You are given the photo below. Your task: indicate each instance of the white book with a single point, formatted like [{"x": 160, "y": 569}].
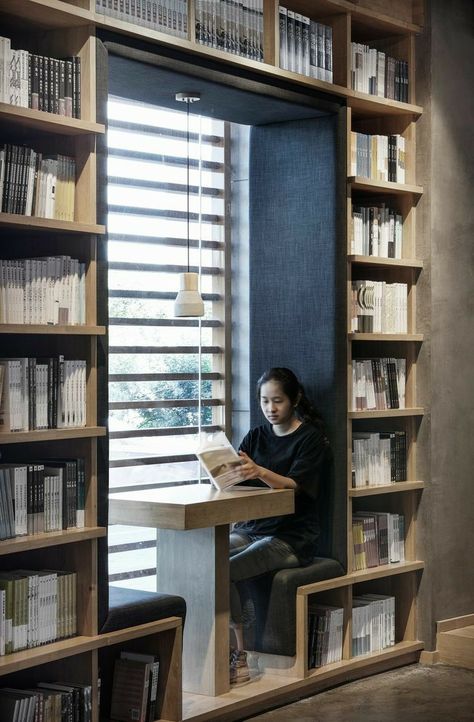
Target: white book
[{"x": 283, "y": 15}]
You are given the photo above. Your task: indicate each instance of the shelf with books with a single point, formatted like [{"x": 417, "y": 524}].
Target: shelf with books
[
  {"x": 385, "y": 262},
  {"x": 49, "y": 13},
  {"x": 386, "y": 413},
  {"x": 399, "y": 337},
  {"x": 12, "y": 328},
  {"x": 395, "y": 488},
  {"x": 371, "y": 186},
  {"x": 54, "y": 538},
  {"x": 13, "y": 220},
  {"x": 22, "y": 437},
  {"x": 47, "y": 122}
]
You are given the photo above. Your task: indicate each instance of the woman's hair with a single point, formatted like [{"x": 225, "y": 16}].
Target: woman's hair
[{"x": 292, "y": 388}]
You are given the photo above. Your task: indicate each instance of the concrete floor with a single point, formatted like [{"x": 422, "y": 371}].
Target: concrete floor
[{"x": 415, "y": 693}]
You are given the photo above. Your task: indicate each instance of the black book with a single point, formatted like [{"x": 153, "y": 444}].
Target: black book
[
  {"x": 77, "y": 86},
  {"x": 62, "y": 87},
  {"x": 68, "y": 87},
  {"x": 41, "y": 98}
]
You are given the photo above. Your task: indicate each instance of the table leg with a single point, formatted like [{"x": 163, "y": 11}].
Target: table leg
[{"x": 195, "y": 564}]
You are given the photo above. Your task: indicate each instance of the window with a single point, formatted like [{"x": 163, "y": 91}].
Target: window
[{"x": 167, "y": 378}]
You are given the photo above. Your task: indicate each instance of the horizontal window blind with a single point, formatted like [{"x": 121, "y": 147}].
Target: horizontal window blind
[{"x": 166, "y": 375}]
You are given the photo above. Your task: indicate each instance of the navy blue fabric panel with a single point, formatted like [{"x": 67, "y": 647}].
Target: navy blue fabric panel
[{"x": 293, "y": 256}]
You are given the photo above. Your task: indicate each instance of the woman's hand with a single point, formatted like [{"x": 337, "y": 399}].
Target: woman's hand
[{"x": 249, "y": 469}]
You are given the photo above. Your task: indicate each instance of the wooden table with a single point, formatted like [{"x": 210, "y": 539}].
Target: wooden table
[{"x": 193, "y": 561}]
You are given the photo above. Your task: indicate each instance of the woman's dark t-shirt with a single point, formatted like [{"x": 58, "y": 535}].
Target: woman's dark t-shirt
[{"x": 300, "y": 456}]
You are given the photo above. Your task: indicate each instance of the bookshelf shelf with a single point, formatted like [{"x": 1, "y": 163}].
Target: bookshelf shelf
[
  {"x": 48, "y": 122},
  {"x": 22, "y": 437},
  {"x": 15, "y": 328},
  {"x": 364, "y": 106},
  {"x": 370, "y": 186},
  {"x": 386, "y": 413},
  {"x": 361, "y": 660},
  {"x": 56, "y": 538},
  {"x": 385, "y": 262},
  {"x": 50, "y": 13},
  {"x": 364, "y": 575},
  {"x": 12, "y": 220},
  {"x": 395, "y": 488},
  {"x": 399, "y": 337}
]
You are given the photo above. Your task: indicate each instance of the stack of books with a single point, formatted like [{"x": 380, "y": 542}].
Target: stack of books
[
  {"x": 42, "y": 393},
  {"x": 378, "y": 384},
  {"x": 379, "y": 307},
  {"x": 36, "y": 608},
  {"x": 135, "y": 686},
  {"x": 49, "y": 701},
  {"x": 305, "y": 45},
  {"x": 325, "y": 632},
  {"x": 378, "y": 157},
  {"x": 376, "y": 231},
  {"x": 378, "y": 539},
  {"x": 232, "y": 26},
  {"x": 45, "y": 291},
  {"x": 378, "y": 458},
  {"x": 35, "y": 184},
  {"x": 166, "y": 16},
  {"x": 43, "y": 496},
  {"x": 373, "y": 623},
  {"x": 40, "y": 82},
  {"x": 376, "y": 73}
]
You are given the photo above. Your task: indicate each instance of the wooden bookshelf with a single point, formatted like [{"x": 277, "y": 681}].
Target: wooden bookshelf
[{"x": 69, "y": 27}]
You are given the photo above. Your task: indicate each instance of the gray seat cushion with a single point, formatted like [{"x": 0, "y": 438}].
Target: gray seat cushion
[
  {"x": 274, "y": 598},
  {"x": 129, "y": 607}
]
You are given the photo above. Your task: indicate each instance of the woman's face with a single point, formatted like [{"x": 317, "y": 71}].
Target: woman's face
[{"x": 275, "y": 404}]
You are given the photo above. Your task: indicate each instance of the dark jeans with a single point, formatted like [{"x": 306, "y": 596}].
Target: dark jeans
[{"x": 250, "y": 557}]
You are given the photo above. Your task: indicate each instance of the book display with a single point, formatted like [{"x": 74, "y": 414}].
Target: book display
[
  {"x": 50, "y": 644},
  {"x": 48, "y": 318}
]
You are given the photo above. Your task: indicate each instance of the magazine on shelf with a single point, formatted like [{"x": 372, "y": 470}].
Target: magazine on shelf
[{"x": 220, "y": 460}]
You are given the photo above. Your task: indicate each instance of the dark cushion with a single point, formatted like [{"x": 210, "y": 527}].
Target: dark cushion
[
  {"x": 129, "y": 607},
  {"x": 274, "y": 600}
]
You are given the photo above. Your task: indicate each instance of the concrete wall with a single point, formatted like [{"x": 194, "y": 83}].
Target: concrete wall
[{"x": 445, "y": 224}]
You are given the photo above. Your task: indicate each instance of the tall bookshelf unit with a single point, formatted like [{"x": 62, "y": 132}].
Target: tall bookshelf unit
[
  {"x": 67, "y": 27},
  {"x": 59, "y": 29}
]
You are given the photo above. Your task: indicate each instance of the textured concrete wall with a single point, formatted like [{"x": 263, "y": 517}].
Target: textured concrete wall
[{"x": 446, "y": 312}]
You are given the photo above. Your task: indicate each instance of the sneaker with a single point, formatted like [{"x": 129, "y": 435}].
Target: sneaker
[{"x": 239, "y": 670}]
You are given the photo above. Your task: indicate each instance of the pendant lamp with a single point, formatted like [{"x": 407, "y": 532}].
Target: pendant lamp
[{"x": 188, "y": 301}]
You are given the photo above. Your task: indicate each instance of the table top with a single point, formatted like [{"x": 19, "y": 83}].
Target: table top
[{"x": 196, "y": 506}]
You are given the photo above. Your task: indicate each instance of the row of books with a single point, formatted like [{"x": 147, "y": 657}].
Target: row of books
[
  {"x": 48, "y": 702},
  {"x": 36, "y": 608},
  {"x": 376, "y": 231},
  {"x": 378, "y": 458},
  {"x": 34, "y": 184},
  {"x": 47, "y": 291},
  {"x": 325, "y": 634},
  {"x": 376, "y": 73},
  {"x": 134, "y": 687},
  {"x": 43, "y": 496},
  {"x": 378, "y": 539},
  {"x": 373, "y": 623},
  {"x": 378, "y": 383},
  {"x": 379, "y": 307},
  {"x": 40, "y": 82},
  {"x": 166, "y": 16},
  {"x": 235, "y": 26},
  {"x": 305, "y": 45},
  {"x": 42, "y": 393},
  {"x": 378, "y": 157}
]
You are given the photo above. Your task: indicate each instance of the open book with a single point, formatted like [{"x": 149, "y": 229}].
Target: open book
[{"x": 220, "y": 460}]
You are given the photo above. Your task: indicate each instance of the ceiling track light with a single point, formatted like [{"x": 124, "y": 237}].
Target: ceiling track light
[{"x": 188, "y": 302}]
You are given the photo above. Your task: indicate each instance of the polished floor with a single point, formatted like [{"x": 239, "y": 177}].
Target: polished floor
[{"x": 415, "y": 693}]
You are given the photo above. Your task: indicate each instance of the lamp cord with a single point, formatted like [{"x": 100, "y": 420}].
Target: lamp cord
[{"x": 187, "y": 173}]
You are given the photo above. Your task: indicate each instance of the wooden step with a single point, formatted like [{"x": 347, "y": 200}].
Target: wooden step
[{"x": 456, "y": 647}]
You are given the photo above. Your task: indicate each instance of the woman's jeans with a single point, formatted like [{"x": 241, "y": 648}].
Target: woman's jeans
[{"x": 250, "y": 557}]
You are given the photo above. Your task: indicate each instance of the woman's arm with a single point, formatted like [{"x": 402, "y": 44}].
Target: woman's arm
[{"x": 250, "y": 470}]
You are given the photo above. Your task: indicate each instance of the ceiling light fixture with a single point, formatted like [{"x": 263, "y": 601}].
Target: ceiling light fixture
[{"x": 188, "y": 301}]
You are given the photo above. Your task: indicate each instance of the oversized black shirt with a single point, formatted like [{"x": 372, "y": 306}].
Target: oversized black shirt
[{"x": 300, "y": 456}]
